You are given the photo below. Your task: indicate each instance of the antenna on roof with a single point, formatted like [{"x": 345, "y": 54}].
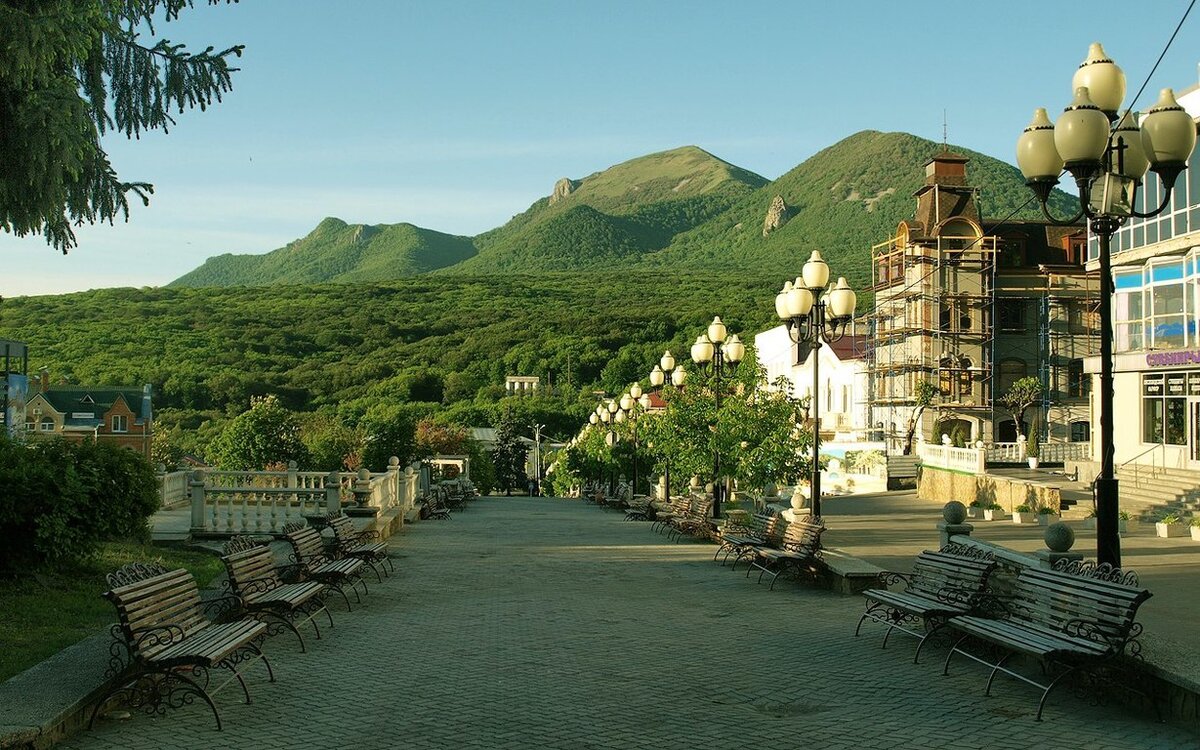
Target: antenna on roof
[{"x": 945, "y": 143}]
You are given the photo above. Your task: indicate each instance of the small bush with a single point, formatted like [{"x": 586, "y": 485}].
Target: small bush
[
  {"x": 1024, "y": 508},
  {"x": 1046, "y": 510}
]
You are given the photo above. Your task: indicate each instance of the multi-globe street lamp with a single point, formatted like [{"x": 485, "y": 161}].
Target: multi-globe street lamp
[
  {"x": 809, "y": 319},
  {"x": 1107, "y": 155},
  {"x": 633, "y": 403},
  {"x": 715, "y": 350}
]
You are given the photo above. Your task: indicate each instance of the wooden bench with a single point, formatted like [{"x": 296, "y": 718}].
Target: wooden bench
[
  {"x": 694, "y": 521},
  {"x": 351, "y": 542},
  {"x": 765, "y": 529},
  {"x": 678, "y": 505},
  {"x": 313, "y": 564},
  {"x": 434, "y": 505},
  {"x": 941, "y": 585},
  {"x": 798, "y": 553},
  {"x": 165, "y": 648},
  {"x": 256, "y": 582},
  {"x": 1076, "y": 617}
]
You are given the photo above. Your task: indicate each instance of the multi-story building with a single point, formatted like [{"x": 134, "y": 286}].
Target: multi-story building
[
  {"x": 842, "y": 389},
  {"x": 971, "y": 305},
  {"x": 1156, "y": 311},
  {"x": 122, "y": 416}
]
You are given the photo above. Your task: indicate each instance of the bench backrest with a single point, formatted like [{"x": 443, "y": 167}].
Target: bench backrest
[
  {"x": 246, "y": 560},
  {"x": 804, "y": 533},
  {"x": 343, "y": 529},
  {"x": 1056, "y": 599},
  {"x": 305, "y": 540},
  {"x": 936, "y": 571},
  {"x": 149, "y": 596}
]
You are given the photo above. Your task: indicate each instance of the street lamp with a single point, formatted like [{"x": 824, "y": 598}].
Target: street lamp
[
  {"x": 1108, "y": 165},
  {"x": 716, "y": 349},
  {"x": 809, "y": 318},
  {"x": 630, "y": 401},
  {"x": 665, "y": 373}
]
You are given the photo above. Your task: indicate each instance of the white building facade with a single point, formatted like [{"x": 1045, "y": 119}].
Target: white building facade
[
  {"x": 842, "y": 390},
  {"x": 1156, "y": 321}
]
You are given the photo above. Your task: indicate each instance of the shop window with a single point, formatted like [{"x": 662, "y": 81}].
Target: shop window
[{"x": 1081, "y": 432}]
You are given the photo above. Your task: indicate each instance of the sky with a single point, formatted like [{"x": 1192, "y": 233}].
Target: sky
[{"x": 457, "y": 115}]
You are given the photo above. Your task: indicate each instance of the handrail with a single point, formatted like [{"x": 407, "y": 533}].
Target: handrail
[{"x": 1137, "y": 466}]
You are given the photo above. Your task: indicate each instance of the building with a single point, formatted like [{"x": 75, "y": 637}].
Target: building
[
  {"x": 1156, "y": 336},
  {"x": 522, "y": 385},
  {"x": 122, "y": 416},
  {"x": 14, "y": 384},
  {"x": 842, "y": 391},
  {"x": 972, "y": 305}
]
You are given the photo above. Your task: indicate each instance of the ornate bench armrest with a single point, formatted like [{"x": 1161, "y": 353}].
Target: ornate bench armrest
[
  {"x": 159, "y": 635},
  {"x": 258, "y": 585},
  {"x": 1116, "y": 643},
  {"x": 894, "y": 578},
  {"x": 222, "y": 608},
  {"x": 961, "y": 597}
]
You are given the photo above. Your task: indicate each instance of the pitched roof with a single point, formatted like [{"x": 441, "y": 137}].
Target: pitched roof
[
  {"x": 851, "y": 346},
  {"x": 71, "y": 400}
]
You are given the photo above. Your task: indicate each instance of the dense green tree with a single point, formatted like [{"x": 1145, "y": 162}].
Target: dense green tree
[
  {"x": 1021, "y": 395},
  {"x": 390, "y": 430},
  {"x": 72, "y": 70},
  {"x": 508, "y": 457},
  {"x": 332, "y": 445},
  {"x": 266, "y": 434}
]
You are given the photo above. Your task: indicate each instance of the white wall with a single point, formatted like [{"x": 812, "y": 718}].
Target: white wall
[{"x": 843, "y": 387}]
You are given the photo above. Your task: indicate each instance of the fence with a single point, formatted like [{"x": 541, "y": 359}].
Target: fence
[
  {"x": 225, "y": 503},
  {"x": 173, "y": 488},
  {"x": 1013, "y": 453},
  {"x": 966, "y": 460}
]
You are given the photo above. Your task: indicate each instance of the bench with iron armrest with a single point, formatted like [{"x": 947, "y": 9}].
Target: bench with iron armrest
[
  {"x": 695, "y": 521},
  {"x": 364, "y": 545},
  {"x": 434, "y": 505},
  {"x": 798, "y": 553},
  {"x": 256, "y": 582},
  {"x": 641, "y": 509},
  {"x": 678, "y": 505},
  {"x": 941, "y": 585},
  {"x": 1077, "y": 617},
  {"x": 313, "y": 564},
  {"x": 453, "y": 497},
  {"x": 738, "y": 540},
  {"x": 165, "y": 648}
]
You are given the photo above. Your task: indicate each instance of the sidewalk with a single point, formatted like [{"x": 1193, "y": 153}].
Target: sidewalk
[{"x": 530, "y": 622}]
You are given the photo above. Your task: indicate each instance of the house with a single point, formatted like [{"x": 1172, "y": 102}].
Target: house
[
  {"x": 842, "y": 391},
  {"x": 121, "y": 416}
]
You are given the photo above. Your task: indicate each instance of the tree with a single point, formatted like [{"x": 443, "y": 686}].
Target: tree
[
  {"x": 70, "y": 71},
  {"x": 1020, "y": 396},
  {"x": 266, "y": 434},
  {"x": 923, "y": 396},
  {"x": 508, "y": 457}
]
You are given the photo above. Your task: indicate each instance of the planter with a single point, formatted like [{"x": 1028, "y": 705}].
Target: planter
[
  {"x": 1090, "y": 523},
  {"x": 1127, "y": 526},
  {"x": 1045, "y": 519},
  {"x": 993, "y": 515},
  {"x": 1169, "y": 530},
  {"x": 1033, "y": 462},
  {"x": 974, "y": 511},
  {"x": 1196, "y": 533},
  {"x": 1019, "y": 517}
]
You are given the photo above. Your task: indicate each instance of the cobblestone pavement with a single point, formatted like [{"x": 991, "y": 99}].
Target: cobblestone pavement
[{"x": 532, "y": 623}]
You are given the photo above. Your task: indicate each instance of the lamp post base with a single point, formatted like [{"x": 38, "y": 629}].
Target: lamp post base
[{"x": 1108, "y": 540}]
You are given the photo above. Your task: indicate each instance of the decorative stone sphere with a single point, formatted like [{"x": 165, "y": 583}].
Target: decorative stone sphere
[
  {"x": 408, "y": 471},
  {"x": 292, "y": 465},
  {"x": 954, "y": 512},
  {"x": 945, "y": 439},
  {"x": 695, "y": 483},
  {"x": 770, "y": 490},
  {"x": 364, "y": 473},
  {"x": 1059, "y": 537},
  {"x": 393, "y": 461},
  {"x": 799, "y": 498}
]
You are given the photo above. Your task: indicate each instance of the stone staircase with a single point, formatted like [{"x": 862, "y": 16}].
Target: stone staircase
[{"x": 1149, "y": 493}]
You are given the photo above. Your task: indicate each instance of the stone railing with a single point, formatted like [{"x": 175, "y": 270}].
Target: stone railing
[
  {"x": 966, "y": 460},
  {"x": 1014, "y": 453},
  {"x": 173, "y": 488}
]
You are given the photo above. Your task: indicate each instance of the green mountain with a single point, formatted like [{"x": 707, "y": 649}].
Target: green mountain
[
  {"x": 338, "y": 252},
  {"x": 842, "y": 201},
  {"x": 615, "y": 215}
]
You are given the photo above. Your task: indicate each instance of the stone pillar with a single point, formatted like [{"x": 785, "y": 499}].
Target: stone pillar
[
  {"x": 362, "y": 495},
  {"x": 196, "y": 490},
  {"x": 954, "y": 514},
  {"x": 1059, "y": 538},
  {"x": 333, "y": 499}
]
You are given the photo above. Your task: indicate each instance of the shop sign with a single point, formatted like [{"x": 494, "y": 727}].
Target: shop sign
[
  {"x": 1177, "y": 384},
  {"x": 1152, "y": 385},
  {"x": 1194, "y": 384},
  {"x": 1173, "y": 359}
]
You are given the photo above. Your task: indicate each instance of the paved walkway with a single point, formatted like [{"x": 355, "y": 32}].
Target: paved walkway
[{"x": 540, "y": 623}]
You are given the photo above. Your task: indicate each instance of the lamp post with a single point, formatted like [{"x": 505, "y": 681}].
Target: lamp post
[
  {"x": 809, "y": 318},
  {"x": 716, "y": 350},
  {"x": 1108, "y": 164},
  {"x": 667, "y": 373},
  {"x": 633, "y": 400}
]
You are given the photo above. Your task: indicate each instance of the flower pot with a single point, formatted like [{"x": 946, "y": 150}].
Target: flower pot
[
  {"x": 1127, "y": 526},
  {"x": 1090, "y": 523},
  {"x": 974, "y": 511},
  {"x": 1196, "y": 533},
  {"x": 1169, "y": 530},
  {"x": 1045, "y": 519},
  {"x": 1033, "y": 462},
  {"x": 990, "y": 514},
  {"x": 1019, "y": 517}
]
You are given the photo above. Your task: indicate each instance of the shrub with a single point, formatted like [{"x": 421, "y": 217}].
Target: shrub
[
  {"x": 1170, "y": 519},
  {"x": 61, "y": 499},
  {"x": 1024, "y": 508},
  {"x": 1046, "y": 510}
]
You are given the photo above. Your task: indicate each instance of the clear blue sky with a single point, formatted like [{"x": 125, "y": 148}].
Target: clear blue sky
[{"x": 457, "y": 115}]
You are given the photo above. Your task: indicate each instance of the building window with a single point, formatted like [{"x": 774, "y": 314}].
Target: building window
[
  {"x": 30, "y": 425},
  {"x": 120, "y": 423},
  {"x": 1129, "y": 307},
  {"x": 1164, "y": 408},
  {"x": 47, "y": 424},
  {"x": 964, "y": 378},
  {"x": 1077, "y": 381},
  {"x": 946, "y": 377},
  {"x": 1010, "y": 314},
  {"x": 1081, "y": 432},
  {"x": 1011, "y": 370}
]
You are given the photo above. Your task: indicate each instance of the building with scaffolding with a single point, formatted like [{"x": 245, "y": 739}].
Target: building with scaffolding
[{"x": 970, "y": 306}]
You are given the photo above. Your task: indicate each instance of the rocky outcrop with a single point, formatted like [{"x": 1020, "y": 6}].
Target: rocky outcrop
[
  {"x": 777, "y": 215},
  {"x": 562, "y": 189}
]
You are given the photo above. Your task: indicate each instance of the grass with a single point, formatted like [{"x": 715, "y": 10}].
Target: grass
[{"x": 43, "y": 613}]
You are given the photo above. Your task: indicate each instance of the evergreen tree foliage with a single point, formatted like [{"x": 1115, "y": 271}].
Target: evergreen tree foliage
[
  {"x": 508, "y": 457},
  {"x": 72, "y": 70}
]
